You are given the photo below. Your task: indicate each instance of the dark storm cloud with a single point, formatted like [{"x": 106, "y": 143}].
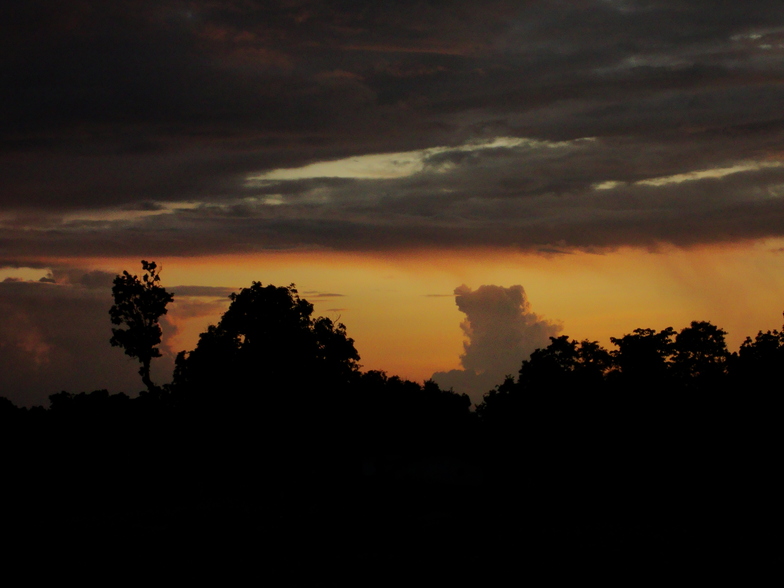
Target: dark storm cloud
[{"x": 132, "y": 128}]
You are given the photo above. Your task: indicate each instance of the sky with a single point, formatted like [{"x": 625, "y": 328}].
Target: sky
[{"x": 455, "y": 181}]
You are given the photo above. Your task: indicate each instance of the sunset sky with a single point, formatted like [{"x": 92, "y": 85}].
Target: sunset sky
[{"x": 621, "y": 160}]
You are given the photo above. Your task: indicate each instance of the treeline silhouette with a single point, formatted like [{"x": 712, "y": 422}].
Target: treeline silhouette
[{"x": 272, "y": 456}]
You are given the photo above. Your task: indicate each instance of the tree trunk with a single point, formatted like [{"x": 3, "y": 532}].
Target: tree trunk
[{"x": 144, "y": 372}]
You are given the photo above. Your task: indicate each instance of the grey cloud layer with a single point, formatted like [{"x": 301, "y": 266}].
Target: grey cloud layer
[{"x": 137, "y": 105}]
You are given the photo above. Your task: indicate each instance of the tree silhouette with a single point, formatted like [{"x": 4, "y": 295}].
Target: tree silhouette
[
  {"x": 643, "y": 356},
  {"x": 139, "y": 304},
  {"x": 758, "y": 361},
  {"x": 700, "y": 354},
  {"x": 565, "y": 365},
  {"x": 268, "y": 338}
]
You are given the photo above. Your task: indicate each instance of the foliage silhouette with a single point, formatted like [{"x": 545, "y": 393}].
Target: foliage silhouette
[
  {"x": 267, "y": 339},
  {"x": 565, "y": 364},
  {"x": 139, "y": 305},
  {"x": 758, "y": 361},
  {"x": 643, "y": 356},
  {"x": 700, "y": 355},
  {"x": 273, "y": 429}
]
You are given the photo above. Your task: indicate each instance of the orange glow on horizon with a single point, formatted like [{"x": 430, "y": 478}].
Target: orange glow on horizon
[{"x": 399, "y": 306}]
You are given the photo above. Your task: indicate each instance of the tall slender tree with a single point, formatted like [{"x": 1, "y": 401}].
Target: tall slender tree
[{"x": 138, "y": 307}]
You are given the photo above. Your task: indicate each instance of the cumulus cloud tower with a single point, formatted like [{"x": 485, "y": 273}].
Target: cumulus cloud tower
[
  {"x": 500, "y": 327},
  {"x": 501, "y": 331}
]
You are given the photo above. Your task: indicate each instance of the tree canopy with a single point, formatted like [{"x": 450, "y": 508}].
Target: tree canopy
[{"x": 268, "y": 338}]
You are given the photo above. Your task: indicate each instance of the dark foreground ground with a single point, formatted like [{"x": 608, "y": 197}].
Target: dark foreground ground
[
  {"x": 556, "y": 495},
  {"x": 404, "y": 529}
]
